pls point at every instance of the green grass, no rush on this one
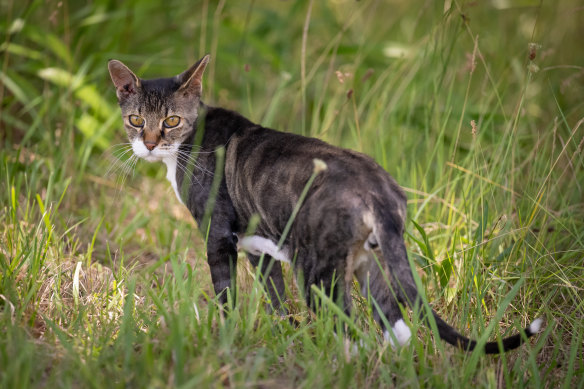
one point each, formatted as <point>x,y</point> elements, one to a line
<point>103,280</point>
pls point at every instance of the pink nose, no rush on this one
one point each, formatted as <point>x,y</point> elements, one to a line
<point>150,145</point>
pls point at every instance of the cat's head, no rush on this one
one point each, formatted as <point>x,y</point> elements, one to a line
<point>158,114</point>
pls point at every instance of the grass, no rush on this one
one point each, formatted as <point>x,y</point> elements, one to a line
<point>474,107</point>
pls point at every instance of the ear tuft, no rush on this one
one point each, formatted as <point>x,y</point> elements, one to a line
<point>125,81</point>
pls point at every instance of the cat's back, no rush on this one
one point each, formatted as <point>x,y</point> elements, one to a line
<point>266,170</point>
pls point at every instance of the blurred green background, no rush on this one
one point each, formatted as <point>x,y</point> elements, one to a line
<point>475,107</point>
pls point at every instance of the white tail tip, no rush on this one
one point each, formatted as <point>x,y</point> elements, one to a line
<point>535,326</point>
<point>401,332</point>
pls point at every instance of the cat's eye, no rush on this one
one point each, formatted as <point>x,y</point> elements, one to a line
<point>136,121</point>
<point>171,121</point>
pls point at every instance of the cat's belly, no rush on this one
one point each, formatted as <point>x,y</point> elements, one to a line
<point>257,245</point>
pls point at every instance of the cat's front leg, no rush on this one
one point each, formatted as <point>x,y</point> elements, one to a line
<point>222,259</point>
<point>221,240</point>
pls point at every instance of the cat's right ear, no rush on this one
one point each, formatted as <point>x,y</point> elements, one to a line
<point>191,80</point>
<point>126,82</point>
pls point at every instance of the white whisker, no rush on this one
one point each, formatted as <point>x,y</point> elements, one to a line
<point>186,175</point>
<point>117,163</point>
<point>188,162</point>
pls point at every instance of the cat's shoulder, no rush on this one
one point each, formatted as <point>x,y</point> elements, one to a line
<point>218,116</point>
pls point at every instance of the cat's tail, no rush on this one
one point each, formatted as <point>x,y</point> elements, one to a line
<point>450,335</point>
<point>395,256</point>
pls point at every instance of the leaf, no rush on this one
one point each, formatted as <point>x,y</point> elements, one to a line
<point>445,271</point>
<point>504,253</point>
<point>76,283</point>
<point>480,231</point>
<point>53,43</point>
<point>87,93</point>
<point>19,88</point>
<point>426,249</point>
<point>21,51</point>
<point>442,269</point>
<point>422,260</point>
<point>93,130</point>
<point>60,77</point>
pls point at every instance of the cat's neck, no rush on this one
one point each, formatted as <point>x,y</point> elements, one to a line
<point>219,125</point>
<point>213,129</point>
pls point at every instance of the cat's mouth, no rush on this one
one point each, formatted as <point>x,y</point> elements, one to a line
<point>157,154</point>
<point>140,150</point>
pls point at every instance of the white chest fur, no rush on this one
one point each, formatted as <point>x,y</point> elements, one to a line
<point>170,163</point>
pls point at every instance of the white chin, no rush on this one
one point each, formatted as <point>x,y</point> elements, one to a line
<point>151,158</point>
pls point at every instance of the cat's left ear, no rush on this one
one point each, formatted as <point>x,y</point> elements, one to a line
<point>191,80</point>
<point>126,82</point>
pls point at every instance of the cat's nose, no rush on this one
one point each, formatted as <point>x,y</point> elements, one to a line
<point>150,145</point>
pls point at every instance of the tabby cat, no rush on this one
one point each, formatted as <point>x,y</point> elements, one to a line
<point>353,212</point>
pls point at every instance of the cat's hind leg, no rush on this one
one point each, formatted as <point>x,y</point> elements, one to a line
<point>375,285</point>
<point>321,271</point>
<point>271,271</point>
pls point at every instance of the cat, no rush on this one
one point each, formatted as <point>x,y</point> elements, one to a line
<point>226,170</point>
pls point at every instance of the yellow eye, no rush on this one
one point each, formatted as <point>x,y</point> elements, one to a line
<point>171,121</point>
<point>136,121</point>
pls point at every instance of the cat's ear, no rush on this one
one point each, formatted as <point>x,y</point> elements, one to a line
<point>191,80</point>
<point>126,82</point>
